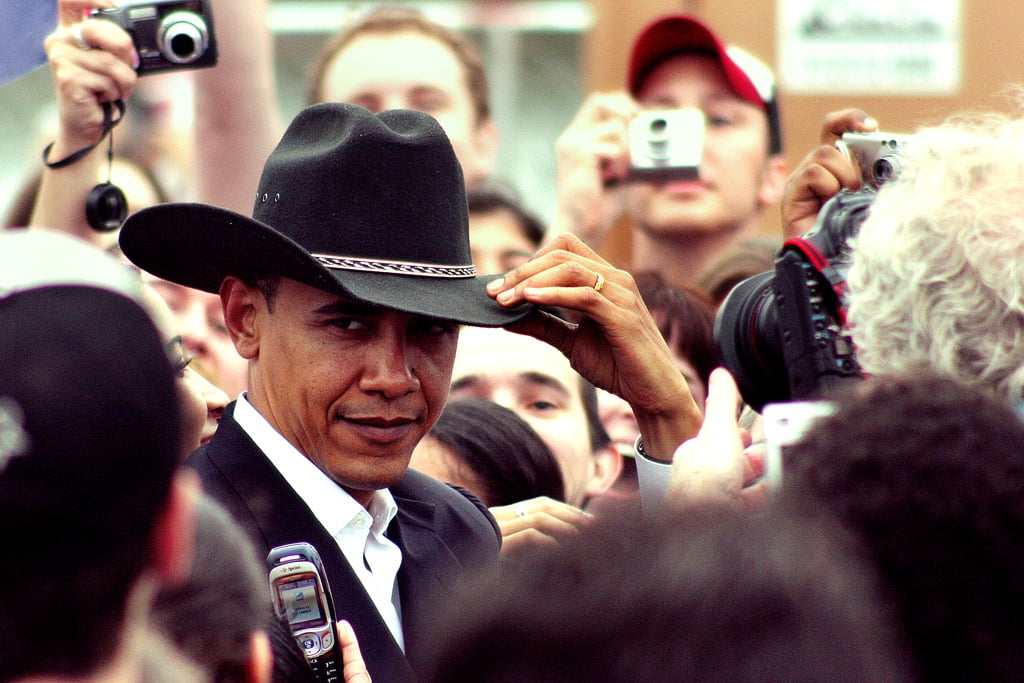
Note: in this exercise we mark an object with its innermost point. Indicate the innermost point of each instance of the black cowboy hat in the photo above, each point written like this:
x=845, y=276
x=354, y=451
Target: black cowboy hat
x=369, y=206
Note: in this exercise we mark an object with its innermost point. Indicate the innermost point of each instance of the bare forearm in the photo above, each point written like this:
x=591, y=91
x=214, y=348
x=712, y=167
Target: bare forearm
x=237, y=118
x=60, y=202
x=664, y=429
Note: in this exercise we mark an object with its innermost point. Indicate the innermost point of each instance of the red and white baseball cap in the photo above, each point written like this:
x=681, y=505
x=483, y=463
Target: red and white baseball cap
x=676, y=34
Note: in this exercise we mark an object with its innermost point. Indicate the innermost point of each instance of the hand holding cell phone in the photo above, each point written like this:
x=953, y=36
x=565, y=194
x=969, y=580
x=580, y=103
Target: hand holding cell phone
x=301, y=596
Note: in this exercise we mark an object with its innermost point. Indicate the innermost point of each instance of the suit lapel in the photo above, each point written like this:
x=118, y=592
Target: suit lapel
x=428, y=567
x=279, y=516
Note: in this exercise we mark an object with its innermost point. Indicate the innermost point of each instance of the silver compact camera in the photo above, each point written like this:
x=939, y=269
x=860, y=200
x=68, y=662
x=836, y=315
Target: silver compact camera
x=168, y=34
x=666, y=145
x=879, y=155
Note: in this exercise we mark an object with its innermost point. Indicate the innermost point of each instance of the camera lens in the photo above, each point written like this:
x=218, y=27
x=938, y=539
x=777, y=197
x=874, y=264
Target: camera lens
x=886, y=168
x=749, y=343
x=183, y=37
x=659, y=126
x=658, y=141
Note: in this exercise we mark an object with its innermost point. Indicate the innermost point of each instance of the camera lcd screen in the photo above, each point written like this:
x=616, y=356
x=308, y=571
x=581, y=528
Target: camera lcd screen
x=301, y=602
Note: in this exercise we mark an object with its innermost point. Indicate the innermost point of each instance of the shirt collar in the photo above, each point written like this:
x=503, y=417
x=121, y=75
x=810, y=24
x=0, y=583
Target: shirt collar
x=333, y=507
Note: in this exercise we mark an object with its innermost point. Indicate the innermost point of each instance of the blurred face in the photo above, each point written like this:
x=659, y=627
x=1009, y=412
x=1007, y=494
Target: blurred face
x=199, y=319
x=353, y=387
x=202, y=402
x=498, y=242
x=534, y=380
x=734, y=169
x=409, y=70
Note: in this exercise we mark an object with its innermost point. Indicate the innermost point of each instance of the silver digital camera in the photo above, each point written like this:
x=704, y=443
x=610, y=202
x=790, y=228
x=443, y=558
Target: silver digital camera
x=879, y=155
x=168, y=34
x=666, y=145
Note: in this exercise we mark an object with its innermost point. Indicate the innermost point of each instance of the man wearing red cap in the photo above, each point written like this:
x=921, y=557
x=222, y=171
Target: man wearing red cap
x=680, y=224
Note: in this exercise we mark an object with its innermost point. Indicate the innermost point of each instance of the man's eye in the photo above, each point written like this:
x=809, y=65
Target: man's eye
x=347, y=324
x=542, y=406
x=429, y=102
x=719, y=121
x=217, y=325
x=181, y=363
x=435, y=328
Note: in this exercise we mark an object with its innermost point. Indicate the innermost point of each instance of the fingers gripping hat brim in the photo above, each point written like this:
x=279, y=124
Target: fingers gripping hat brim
x=371, y=207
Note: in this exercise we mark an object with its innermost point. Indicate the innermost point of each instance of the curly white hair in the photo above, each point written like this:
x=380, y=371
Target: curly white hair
x=937, y=280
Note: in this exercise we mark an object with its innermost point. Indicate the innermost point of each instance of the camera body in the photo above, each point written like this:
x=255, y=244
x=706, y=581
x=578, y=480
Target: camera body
x=879, y=155
x=168, y=34
x=666, y=145
x=782, y=333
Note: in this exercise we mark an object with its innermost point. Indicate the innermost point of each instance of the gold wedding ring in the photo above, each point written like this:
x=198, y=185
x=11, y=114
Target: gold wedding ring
x=599, y=285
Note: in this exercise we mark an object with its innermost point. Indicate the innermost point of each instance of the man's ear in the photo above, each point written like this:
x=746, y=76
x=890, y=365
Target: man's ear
x=606, y=465
x=776, y=171
x=241, y=304
x=174, y=534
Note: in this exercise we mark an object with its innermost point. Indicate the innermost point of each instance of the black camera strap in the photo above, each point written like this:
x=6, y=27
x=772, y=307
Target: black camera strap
x=108, y=125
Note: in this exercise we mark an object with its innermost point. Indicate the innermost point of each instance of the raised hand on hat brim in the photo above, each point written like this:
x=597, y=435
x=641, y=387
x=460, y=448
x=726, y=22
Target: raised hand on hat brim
x=614, y=343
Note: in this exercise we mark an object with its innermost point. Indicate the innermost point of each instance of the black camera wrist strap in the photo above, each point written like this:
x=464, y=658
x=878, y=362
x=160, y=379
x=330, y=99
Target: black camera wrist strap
x=108, y=125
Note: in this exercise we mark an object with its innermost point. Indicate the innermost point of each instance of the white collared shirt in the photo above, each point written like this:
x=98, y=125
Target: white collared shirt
x=359, y=533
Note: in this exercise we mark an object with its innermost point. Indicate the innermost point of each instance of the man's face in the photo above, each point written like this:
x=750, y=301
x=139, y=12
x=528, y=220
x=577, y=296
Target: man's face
x=498, y=242
x=734, y=167
x=199, y=320
x=409, y=70
x=353, y=387
x=536, y=381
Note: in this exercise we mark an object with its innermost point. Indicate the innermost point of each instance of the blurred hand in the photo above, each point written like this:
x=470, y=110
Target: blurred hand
x=593, y=160
x=823, y=172
x=540, y=520
x=718, y=463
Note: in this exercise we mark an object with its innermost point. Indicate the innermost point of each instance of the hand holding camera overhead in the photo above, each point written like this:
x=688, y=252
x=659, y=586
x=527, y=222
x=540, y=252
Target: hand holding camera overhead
x=612, y=141
x=96, y=55
x=93, y=66
x=593, y=156
x=92, y=62
x=823, y=172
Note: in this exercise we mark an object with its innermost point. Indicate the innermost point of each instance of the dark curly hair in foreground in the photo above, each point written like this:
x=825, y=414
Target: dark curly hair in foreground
x=930, y=473
x=710, y=595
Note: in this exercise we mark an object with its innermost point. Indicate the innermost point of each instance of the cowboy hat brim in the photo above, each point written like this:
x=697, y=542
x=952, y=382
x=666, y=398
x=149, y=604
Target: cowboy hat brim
x=198, y=245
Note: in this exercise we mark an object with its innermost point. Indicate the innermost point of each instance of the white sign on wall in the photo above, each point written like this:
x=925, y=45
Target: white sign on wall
x=886, y=47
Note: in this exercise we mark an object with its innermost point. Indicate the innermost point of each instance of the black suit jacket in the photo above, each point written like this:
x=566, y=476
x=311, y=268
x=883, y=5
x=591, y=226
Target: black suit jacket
x=440, y=529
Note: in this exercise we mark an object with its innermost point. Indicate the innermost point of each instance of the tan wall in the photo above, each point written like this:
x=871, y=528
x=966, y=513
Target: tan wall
x=992, y=59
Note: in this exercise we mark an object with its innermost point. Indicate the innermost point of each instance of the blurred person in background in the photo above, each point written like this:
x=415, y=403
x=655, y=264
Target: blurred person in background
x=679, y=226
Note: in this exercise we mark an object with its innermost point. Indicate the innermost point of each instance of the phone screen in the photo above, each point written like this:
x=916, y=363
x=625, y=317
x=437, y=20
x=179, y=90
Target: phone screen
x=301, y=602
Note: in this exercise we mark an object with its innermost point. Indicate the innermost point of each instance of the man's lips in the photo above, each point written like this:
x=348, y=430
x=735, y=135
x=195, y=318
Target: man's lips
x=685, y=187
x=382, y=429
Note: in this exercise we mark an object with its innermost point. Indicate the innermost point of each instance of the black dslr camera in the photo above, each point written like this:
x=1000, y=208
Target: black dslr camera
x=782, y=333
x=168, y=34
